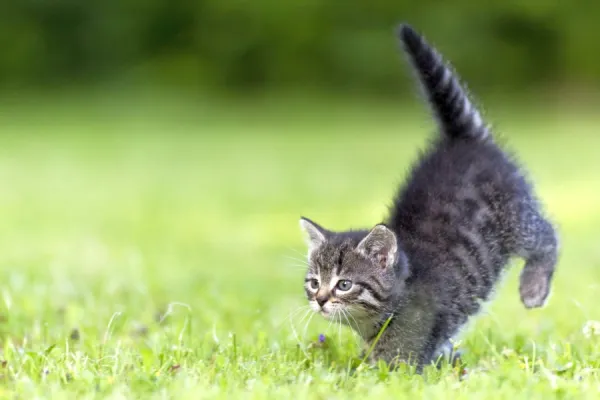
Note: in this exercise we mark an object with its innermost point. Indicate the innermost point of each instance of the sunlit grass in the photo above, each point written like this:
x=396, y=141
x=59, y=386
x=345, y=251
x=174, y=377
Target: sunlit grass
x=153, y=248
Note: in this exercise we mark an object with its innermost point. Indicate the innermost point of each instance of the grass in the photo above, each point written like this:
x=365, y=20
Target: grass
x=148, y=250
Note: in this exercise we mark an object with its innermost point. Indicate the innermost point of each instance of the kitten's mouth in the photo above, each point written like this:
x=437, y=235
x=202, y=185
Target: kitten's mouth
x=325, y=314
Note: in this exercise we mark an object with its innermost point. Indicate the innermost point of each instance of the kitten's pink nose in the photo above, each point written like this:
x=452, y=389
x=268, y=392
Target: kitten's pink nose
x=322, y=299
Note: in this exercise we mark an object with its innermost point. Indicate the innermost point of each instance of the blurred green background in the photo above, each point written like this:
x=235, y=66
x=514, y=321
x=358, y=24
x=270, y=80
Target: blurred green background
x=154, y=152
x=268, y=44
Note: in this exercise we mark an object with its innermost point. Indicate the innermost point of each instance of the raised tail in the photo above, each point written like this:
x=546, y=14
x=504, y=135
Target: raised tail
x=457, y=116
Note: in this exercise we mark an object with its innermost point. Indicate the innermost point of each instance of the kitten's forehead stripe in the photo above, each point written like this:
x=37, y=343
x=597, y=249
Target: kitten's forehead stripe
x=340, y=261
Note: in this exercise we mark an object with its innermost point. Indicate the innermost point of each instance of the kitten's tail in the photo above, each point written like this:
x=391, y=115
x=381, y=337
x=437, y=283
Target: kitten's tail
x=457, y=116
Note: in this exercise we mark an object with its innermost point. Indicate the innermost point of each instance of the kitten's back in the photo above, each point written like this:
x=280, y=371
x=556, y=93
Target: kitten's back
x=458, y=209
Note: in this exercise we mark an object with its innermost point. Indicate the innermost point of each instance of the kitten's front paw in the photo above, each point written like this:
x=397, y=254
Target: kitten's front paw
x=457, y=358
x=534, y=288
x=450, y=354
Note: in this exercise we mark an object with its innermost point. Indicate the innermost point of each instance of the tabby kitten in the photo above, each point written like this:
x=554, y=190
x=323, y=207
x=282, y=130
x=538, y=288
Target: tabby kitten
x=464, y=211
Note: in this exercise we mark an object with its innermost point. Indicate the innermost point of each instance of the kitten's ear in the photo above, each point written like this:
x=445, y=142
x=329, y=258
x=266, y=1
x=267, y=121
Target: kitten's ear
x=380, y=245
x=315, y=235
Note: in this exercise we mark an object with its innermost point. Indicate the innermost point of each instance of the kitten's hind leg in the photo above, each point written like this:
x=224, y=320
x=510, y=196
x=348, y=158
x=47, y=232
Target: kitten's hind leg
x=538, y=244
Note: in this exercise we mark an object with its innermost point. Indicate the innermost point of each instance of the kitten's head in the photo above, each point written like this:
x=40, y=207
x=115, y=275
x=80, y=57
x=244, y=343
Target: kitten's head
x=357, y=272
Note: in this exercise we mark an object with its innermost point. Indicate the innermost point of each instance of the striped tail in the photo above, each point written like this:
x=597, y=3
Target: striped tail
x=457, y=116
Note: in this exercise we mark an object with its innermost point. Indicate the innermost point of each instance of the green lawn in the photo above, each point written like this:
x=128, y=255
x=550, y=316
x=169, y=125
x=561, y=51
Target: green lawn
x=152, y=249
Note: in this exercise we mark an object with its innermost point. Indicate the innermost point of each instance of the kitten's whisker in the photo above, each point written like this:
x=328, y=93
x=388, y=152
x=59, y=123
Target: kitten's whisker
x=291, y=315
x=296, y=251
x=299, y=342
x=306, y=314
x=340, y=327
x=297, y=267
x=354, y=334
x=297, y=310
x=330, y=321
x=307, y=323
x=297, y=259
x=348, y=316
x=358, y=327
x=357, y=335
x=298, y=338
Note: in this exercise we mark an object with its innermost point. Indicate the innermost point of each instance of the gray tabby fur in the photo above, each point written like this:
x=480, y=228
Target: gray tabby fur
x=464, y=211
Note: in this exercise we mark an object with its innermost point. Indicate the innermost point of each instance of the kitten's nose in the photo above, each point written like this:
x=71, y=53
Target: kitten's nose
x=322, y=299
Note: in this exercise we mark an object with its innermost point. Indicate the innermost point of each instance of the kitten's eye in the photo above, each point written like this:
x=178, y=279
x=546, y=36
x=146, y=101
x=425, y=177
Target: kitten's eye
x=314, y=284
x=344, y=285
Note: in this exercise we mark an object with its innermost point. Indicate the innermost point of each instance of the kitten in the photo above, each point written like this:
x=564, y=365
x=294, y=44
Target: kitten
x=464, y=211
